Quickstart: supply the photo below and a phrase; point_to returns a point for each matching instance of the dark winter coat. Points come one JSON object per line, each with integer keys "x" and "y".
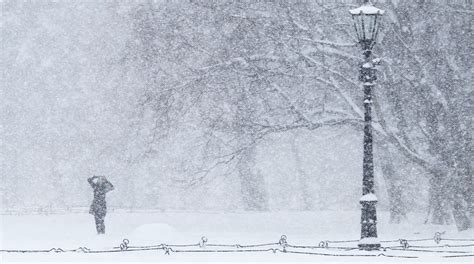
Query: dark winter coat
{"x": 101, "y": 186}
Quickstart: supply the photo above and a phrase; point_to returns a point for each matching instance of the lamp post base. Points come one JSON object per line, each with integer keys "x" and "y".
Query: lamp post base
{"x": 369, "y": 243}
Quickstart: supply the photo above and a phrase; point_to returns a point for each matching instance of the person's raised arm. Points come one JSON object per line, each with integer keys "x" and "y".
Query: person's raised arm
{"x": 108, "y": 186}
{"x": 91, "y": 181}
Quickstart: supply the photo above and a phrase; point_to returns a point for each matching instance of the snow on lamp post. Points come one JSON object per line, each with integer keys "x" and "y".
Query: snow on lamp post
{"x": 366, "y": 22}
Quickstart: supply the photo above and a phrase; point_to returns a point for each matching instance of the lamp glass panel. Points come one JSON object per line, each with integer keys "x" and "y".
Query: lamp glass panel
{"x": 359, "y": 28}
{"x": 370, "y": 22}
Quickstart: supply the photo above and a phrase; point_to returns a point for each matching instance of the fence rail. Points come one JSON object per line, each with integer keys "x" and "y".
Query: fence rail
{"x": 324, "y": 248}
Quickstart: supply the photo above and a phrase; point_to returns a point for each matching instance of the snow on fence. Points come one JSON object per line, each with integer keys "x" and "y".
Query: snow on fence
{"x": 398, "y": 248}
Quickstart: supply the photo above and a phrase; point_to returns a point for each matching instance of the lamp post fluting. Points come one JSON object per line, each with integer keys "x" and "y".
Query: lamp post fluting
{"x": 366, "y": 24}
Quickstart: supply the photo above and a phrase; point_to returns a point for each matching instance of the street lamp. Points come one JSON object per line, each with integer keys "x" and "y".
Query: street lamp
{"x": 366, "y": 23}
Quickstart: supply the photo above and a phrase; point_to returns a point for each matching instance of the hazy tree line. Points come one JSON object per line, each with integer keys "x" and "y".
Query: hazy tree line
{"x": 192, "y": 92}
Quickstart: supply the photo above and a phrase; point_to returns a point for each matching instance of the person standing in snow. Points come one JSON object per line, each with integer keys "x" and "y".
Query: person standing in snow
{"x": 99, "y": 207}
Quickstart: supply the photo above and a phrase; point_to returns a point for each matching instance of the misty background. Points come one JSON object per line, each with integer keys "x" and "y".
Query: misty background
{"x": 234, "y": 105}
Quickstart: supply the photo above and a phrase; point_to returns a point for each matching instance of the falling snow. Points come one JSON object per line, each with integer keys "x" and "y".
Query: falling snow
{"x": 238, "y": 120}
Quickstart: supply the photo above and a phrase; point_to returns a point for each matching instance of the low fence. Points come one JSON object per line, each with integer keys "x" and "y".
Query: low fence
{"x": 397, "y": 248}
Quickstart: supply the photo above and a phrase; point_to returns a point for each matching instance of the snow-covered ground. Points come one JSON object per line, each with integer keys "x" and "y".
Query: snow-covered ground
{"x": 71, "y": 231}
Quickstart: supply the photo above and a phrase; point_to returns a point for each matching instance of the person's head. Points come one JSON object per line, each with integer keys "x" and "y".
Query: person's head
{"x": 98, "y": 179}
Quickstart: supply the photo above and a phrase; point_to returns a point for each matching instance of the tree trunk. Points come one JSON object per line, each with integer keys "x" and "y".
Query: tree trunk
{"x": 462, "y": 182}
{"x": 460, "y": 210}
{"x": 398, "y": 208}
{"x": 439, "y": 212}
{"x": 254, "y": 195}
{"x": 307, "y": 204}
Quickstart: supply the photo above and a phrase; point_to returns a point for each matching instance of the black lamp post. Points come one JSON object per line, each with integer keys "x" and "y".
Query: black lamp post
{"x": 366, "y": 22}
